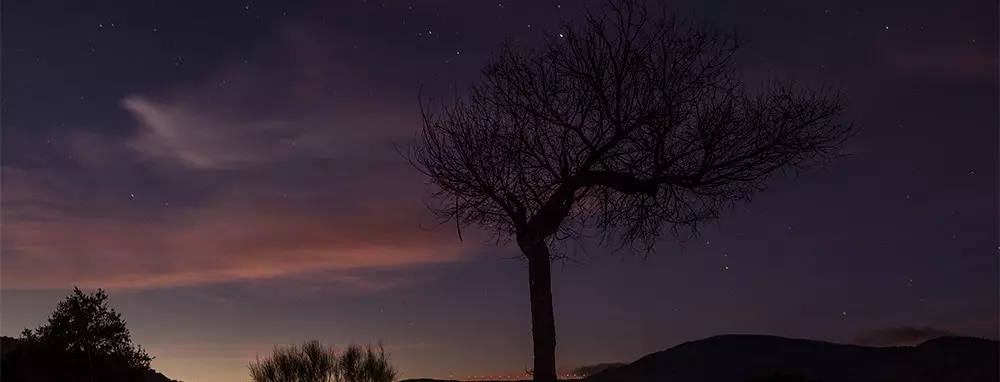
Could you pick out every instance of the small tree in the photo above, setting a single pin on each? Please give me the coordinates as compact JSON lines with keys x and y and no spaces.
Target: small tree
{"x":314,"y":362}
{"x":84,"y":340}
{"x":628,"y":126}
{"x":366,"y":364}
{"x":310,"y":362}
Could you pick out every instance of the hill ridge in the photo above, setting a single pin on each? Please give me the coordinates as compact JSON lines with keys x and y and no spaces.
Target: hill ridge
{"x":739,"y":356}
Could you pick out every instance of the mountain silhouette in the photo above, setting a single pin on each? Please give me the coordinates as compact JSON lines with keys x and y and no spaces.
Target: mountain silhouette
{"x":738,"y":357}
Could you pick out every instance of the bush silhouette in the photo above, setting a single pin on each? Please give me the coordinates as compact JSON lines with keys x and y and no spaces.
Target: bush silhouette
{"x":314,"y":362}
{"x":84,"y":340}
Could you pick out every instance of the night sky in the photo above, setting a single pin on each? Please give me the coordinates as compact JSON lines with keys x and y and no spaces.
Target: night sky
{"x":226,"y":170}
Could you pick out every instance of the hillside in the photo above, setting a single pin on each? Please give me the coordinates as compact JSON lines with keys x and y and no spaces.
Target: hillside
{"x":730,"y":358}
{"x":737,"y":357}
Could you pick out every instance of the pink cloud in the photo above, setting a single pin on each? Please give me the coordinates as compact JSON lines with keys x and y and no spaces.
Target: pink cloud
{"x":964,"y":52}
{"x":228,"y":240}
{"x":299,"y":119}
{"x":945,"y":61}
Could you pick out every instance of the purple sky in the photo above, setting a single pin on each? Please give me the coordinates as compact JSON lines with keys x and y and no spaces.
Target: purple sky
{"x":225,"y":169}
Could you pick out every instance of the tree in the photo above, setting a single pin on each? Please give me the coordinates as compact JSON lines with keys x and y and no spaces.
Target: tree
{"x":84,"y":340}
{"x":629,"y":125}
{"x":366,"y":364}
{"x":314,"y":362}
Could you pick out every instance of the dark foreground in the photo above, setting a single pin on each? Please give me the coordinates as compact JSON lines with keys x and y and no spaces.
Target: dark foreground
{"x":738,"y":358}
{"x":735,"y":358}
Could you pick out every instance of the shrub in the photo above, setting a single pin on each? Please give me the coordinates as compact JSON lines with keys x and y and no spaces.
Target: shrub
{"x":314,"y":362}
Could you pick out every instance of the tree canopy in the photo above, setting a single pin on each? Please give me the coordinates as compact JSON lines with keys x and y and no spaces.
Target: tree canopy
{"x":83,"y":340}
{"x":634,"y":123}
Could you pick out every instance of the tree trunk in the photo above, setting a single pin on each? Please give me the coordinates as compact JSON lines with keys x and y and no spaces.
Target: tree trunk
{"x":543,"y":324}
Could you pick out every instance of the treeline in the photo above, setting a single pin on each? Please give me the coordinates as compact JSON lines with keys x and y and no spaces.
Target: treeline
{"x":86,"y":340}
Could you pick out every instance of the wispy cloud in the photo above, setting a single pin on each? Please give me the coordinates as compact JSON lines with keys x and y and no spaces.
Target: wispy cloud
{"x":275,"y":167}
{"x":949,"y":61}
{"x":231,"y":240}
{"x":964,"y":52}
{"x":301,"y":97}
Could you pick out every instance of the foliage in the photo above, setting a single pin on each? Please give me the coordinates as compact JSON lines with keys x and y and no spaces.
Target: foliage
{"x":84,"y":339}
{"x":314,"y":362}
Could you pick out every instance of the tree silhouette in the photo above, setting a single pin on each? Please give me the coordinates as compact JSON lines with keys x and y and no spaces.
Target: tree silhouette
{"x":627,"y":126}
{"x":366,"y":364}
{"x":314,"y":362}
{"x":84,"y":340}
{"x":310,"y":362}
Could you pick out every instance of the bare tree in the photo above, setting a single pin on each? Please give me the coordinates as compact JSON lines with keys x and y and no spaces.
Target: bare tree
{"x":309,"y":362}
{"x":365,"y":364}
{"x":627,"y":126}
